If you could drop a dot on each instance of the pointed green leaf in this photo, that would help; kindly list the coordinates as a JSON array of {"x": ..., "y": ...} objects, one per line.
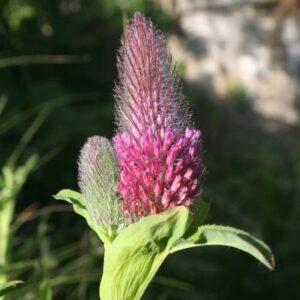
[
  {"x": 217, "y": 235},
  {"x": 78, "y": 203},
  {"x": 9, "y": 286},
  {"x": 135, "y": 255},
  {"x": 72, "y": 197}
]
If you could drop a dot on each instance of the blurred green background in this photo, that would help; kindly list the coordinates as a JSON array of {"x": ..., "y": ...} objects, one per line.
[{"x": 57, "y": 70}]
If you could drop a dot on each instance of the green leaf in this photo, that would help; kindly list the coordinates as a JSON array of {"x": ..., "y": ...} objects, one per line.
[
  {"x": 217, "y": 235},
  {"x": 45, "y": 292},
  {"x": 9, "y": 286},
  {"x": 138, "y": 251},
  {"x": 78, "y": 203}
]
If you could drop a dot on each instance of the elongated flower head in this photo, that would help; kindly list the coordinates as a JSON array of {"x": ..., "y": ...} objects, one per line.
[
  {"x": 98, "y": 178},
  {"x": 157, "y": 150},
  {"x": 149, "y": 96}
]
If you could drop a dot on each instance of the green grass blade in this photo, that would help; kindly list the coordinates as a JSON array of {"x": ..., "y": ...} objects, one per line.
[
  {"x": 3, "y": 101},
  {"x": 9, "y": 286},
  {"x": 42, "y": 59},
  {"x": 27, "y": 137}
]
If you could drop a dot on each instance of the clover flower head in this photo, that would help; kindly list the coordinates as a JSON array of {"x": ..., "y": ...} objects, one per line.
[{"x": 157, "y": 149}]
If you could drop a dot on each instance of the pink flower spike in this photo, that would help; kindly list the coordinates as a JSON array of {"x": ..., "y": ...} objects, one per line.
[{"x": 157, "y": 149}]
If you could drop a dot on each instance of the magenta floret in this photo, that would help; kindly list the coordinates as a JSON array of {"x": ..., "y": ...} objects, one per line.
[{"x": 157, "y": 148}]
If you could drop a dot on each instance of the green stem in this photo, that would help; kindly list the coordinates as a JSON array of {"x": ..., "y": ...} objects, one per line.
[{"x": 6, "y": 216}]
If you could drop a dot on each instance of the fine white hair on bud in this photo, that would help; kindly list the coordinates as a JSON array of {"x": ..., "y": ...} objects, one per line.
[{"x": 98, "y": 179}]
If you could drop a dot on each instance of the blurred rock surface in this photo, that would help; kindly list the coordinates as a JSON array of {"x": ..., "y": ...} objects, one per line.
[{"x": 253, "y": 44}]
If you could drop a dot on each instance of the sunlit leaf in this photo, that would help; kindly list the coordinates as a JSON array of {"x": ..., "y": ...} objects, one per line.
[
  {"x": 217, "y": 235},
  {"x": 136, "y": 254}
]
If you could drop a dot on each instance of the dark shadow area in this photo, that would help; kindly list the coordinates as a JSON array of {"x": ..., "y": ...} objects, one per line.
[{"x": 253, "y": 182}]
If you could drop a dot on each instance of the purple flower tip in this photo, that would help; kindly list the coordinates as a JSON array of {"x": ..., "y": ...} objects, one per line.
[{"x": 157, "y": 150}]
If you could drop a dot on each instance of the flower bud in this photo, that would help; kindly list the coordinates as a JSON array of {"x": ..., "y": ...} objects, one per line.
[{"x": 98, "y": 178}]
